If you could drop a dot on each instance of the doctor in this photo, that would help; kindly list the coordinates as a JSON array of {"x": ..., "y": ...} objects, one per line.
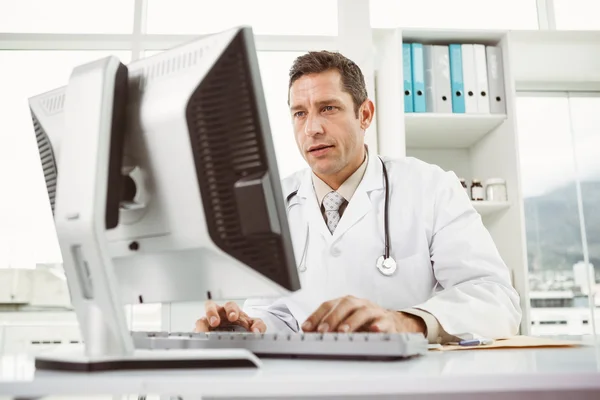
[{"x": 382, "y": 245}]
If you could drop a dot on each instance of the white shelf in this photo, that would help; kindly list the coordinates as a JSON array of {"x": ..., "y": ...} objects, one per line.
[
  {"x": 427, "y": 130},
  {"x": 490, "y": 207},
  {"x": 471, "y": 145}
]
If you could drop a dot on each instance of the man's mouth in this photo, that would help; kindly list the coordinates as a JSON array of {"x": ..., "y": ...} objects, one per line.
[{"x": 318, "y": 147}]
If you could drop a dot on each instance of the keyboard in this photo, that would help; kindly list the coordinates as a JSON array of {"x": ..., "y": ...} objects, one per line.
[{"x": 367, "y": 346}]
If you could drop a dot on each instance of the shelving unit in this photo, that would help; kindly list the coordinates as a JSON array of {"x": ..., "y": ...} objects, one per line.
[
  {"x": 478, "y": 146},
  {"x": 486, "y": 208},
  {"x": 425, "y": 130}
]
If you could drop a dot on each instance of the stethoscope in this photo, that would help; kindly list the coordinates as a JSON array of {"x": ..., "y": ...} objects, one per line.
[{"x": 385, "y": 263}]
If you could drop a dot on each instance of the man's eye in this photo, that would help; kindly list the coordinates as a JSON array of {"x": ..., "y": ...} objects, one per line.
[
  {"x": 328, "y": 108},
  {"x": 299, "y": 114}
]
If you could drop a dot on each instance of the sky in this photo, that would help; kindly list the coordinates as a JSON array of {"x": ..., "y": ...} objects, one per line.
[{"x": 550, "y": 156}]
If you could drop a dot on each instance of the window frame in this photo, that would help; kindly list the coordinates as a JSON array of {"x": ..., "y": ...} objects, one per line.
[
  {"x": 541, "y": 20},
  {"x": 138, "y": 41},
  {"x": 567, "y": 94}
]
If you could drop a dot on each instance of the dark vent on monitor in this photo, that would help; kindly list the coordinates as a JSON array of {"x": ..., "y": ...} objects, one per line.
[
  {"x": 227, "y": 143},
  {"x": 173, "y": 64},
  {"x": 53, "y": 104},
  {"x": 169, "y": 66},
  {"x": 47, "y": 159}
]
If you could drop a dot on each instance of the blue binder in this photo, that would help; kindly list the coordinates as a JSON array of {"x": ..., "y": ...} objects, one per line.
[
  {"x": 407, "y": 73},
  {"x": 456, "y": 79},
  {"x": 418, "y": 78}
]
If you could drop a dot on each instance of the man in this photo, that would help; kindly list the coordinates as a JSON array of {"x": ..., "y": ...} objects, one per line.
[{"x": 449, "y": 280}]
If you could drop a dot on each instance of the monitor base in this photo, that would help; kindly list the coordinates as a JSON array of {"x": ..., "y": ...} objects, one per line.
[{"x": 75, "y": 360}]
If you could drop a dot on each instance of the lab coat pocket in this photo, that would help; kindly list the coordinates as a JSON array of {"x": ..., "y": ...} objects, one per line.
[{"x": 405, "y": 287}]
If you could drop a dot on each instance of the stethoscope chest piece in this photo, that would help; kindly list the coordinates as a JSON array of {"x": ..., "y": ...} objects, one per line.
[
  {"x": 302, "y": 267},
  {"x": 387, "y": 266}
]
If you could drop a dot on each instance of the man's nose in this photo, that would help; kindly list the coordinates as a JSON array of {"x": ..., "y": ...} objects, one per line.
[{"x": 313, "y": 126}]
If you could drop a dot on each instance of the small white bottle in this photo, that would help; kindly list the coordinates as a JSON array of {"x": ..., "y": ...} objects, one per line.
[
  {"x": 463, "y": 182},
  {"x": 495, "y": 189},
  {"x": 477, "y": 192}
]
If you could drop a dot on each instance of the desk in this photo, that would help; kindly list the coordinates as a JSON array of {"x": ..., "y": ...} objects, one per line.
[{"x": 549, "y": 373}]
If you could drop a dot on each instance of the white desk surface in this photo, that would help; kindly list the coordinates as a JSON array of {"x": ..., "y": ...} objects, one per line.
[{"x": 572, "y": 373}]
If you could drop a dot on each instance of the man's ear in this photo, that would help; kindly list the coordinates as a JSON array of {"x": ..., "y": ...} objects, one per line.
[{"x": 366, "y": 112}]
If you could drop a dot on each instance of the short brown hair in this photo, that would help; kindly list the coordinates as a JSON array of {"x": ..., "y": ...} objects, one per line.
[{"x": 314, "y": 62}]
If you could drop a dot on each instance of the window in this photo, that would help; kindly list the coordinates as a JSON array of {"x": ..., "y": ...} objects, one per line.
[
  {"x": 463, "y": 14},
  {"x": 28, "y": 73},
  {"x": 66, "y": 16},
  {"x": 267, "y": 17},
  {"x": 577, "y": 14},
  {"x": 274, "y": 67},
  {"x": 26, "y": 211},
  {"x": 586, "y": 132},
  {"x": 554, "y": 162}
]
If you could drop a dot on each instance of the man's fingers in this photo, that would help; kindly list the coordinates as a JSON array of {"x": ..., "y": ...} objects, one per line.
[
  {"x": 383, "y": 324},
  {"x": 355, "y": 321},
  {"x": 331, "y": 321},
  {"x": 222, "y": 317},
  {"x": 212, "y": 313},
  {"x": 313, "y": 321},
  {"x": 258, "y": 326},
  {"x": 202, "y": 325},
  {"x": 242, "y": 320},
  {"x": 232, "y": 311}
]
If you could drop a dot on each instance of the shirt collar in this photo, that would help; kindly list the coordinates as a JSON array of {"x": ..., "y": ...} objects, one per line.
[{"x": 347, "y": 189}]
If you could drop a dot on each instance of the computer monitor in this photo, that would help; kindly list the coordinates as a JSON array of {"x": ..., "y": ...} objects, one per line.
[{"x": 163, "y": 182}]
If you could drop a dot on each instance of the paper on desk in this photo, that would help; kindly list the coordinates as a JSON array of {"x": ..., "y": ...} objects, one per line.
[{"x": 514, "y": 342}]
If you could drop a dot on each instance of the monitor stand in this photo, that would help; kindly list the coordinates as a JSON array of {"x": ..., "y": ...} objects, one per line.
[
  {"x": 90, "y": 104},
  {"x": 74, "y": 359},
  {"x": 102, "y": 351}
]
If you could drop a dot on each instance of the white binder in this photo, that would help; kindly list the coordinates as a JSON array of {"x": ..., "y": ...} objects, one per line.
[
  {"x": 483, "y": 98},
  {"x": 441, "y": 71},
  {"x": 430, "y": 95},
  {"x": 496, "y": 79},
  {"x": 437, "y": 78},
  {"x": 469, "y": 78}
]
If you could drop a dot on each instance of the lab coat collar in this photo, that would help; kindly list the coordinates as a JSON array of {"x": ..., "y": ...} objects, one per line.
[
  {"x": 306, "y": 195},
  {"x": 357, "y": 208},
  {"x": 372, "y": 180},
  {"x": 306, "y": 187},
  {"x": 360, "y": 204}
]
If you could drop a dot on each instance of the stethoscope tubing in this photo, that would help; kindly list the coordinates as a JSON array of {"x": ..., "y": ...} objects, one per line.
[
  {"x": 386, "y": 228},
  {"x": 385, "y": 212}
]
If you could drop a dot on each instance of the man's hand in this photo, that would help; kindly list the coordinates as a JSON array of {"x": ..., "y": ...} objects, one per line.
[
  {"x": 350, "y": 314},
  {"x": 227, "y": 316}
]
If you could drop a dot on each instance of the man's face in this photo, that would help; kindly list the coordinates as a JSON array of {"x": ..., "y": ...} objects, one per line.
[{"x": 328, "y": 133}]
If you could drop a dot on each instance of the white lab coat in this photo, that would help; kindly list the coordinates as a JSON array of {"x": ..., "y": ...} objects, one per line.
[{"x": 447, "y": 262}]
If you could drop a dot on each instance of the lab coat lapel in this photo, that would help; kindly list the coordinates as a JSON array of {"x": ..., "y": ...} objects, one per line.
[
  {"x": 312, "y": 211},
  {"x": 360, "y": 204}
]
